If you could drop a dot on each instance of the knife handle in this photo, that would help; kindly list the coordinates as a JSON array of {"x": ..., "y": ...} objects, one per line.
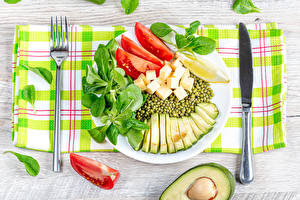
[{"x": 247, "y": 168}]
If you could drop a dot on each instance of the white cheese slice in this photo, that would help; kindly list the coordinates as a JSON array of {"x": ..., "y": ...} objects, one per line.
[
  {"x": 187, "y": 83},
  {"x": 152, "y": 87},
  {"x": 172, "y": 82},
  {"x": 150, "y": 75},
  {"x": 163, "y": 92},
  {"x": 165, "y": 72},
  {"x": 140, "y": 83},
  {"x": 180, "y": 93}
]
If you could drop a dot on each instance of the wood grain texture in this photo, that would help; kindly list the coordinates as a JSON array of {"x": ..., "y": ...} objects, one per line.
[{"x": 277, "y": 173}]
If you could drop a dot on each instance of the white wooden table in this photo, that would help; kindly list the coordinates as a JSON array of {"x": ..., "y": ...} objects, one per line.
[{"x": 277, "y": 173}]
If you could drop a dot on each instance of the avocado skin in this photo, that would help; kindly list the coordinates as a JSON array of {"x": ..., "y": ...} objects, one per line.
[{"x": 228, "y": 174}]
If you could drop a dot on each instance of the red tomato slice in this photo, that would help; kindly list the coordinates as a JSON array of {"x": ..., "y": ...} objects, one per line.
[
  {"x": 131, "y": 47},
  {"x": 95, "y": 172},
  {"x": 151, "y": 43},
  {"x": 134, "y": 65}
]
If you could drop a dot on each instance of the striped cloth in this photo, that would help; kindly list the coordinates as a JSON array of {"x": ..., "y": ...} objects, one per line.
[{"x": 33, "y": 128}]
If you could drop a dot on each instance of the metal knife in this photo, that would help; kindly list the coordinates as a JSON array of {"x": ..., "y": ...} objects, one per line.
[{"x": 246, "y": 84}]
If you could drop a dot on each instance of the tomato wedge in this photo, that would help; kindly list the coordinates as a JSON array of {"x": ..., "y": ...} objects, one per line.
[
  {"x": 95, "y": 172},
  {"x": 131, "y": 47},
  {"x": 133, "y": 65},
  {"x": 152, "y": 43}
]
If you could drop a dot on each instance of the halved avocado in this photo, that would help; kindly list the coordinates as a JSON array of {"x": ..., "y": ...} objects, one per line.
[
  {"x": 162, "y": 131},
  {"x": 205, "y": 116},
  {"x": 209, "y": 181},
  {"x": 147, "y": 139},
  {"x": 171, "y": 147},
  {"x": 210, "y": 108},
  {"x": 184, "y": 134},
  {"x": 154, "y": 147}
]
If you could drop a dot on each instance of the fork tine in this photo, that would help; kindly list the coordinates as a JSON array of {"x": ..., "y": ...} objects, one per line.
[
  {"x": 57, "y": 35},
  {"x": 61, "y": 33},
  {"x": 66, "y": 33},
  {"x": 51, "y": 35}
]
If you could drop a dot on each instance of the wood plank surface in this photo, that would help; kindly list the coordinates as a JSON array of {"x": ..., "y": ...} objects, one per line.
[{"x": 277, "y": 172}]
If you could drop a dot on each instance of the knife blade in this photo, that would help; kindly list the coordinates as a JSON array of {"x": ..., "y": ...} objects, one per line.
[{"x": 246, "y": 85}]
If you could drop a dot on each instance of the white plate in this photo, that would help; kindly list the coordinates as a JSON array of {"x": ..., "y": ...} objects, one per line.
[{"x": 222, "y": 98}]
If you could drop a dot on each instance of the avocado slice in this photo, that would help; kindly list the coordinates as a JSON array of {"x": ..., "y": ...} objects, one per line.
[
  {"x": 176, "y": 138},
  {"x": 183, "y": 133},
  {"x": 196, "y": 130},
  {"x": 135, "y": 138},
  {"x": 217, "y": 180},
  {"x": 189, "y": 130},
  {"x": 210, "y": 109},
  {"x": 205, "y": 116},
  {"x": 147, "y": 138},
  {"x": 201, "y": 123},
  {"x": 171, "y": 147},
  {"x": 162, "y": 129},
  {"x": 154, "y": 147}
]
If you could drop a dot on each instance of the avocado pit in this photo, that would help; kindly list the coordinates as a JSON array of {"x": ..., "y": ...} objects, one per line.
[{"x": 202, "y": 188}]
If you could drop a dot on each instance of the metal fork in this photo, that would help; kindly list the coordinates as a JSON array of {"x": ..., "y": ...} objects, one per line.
[{"x": 59, "y": 51}]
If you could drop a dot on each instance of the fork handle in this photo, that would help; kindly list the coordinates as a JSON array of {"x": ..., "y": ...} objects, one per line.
[{"x": 57, "y": 137}]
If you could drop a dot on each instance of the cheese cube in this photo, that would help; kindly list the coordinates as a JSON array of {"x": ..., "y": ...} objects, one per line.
[
  {"x": 152, "y": 87},
  {"x": 150, "y": 75},
  {"x": 143, "y": 77},
  {"x": 140, "y": 83},
  {"x": 172, "y": 82},
  {"x": 161, "y": 82},
  {"x": 163, "y": 92},
  {"x": 187, "y": 83},
  {"x": 180, "y": 93},
  {"x": 176, "y": 63},
  {"x": 165, "y": 72},
  {"x": 179, "y": 71},
  {"x": 186, "y": 73}
]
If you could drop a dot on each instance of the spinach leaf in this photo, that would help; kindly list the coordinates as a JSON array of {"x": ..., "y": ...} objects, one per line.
[
  {"x": 31, "y": 165},
  {"x": 97, "y": 1},
  {"x": 42, "y": 72},
  {"x": 110, "y": 98},
  {"x": 130, "y": 97},
  {"x": 93, "y": 77},
  {"x": 135, "y": 138},
  {"x": 244, "y": 7},
  {"x": 112, "y": 134},
  {"x": 102, "y": 58},
  {"x": 12, "y": 1},
  {"x": 134, "y": 123},
  {"x": 98, "y": 106},
  {"x": 98, "y": 133},
  {"x": 203, "y": 45},
  {"x": 112, "y": 46},
  {"x": 129, "y": 6},
  {"x": 28, "y": 94},
  {"x": 88, "y": 99},
  {"x": 160, "y": 29},
  {"x": 181, "y": 41},
  {"x": 192, "y": 29},
  {"x": 118, "y": 78},
  {"x": 91, "y": 88}
]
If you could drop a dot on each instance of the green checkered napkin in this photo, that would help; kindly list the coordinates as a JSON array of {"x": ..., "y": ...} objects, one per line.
[{"x": 33, "y": 127}]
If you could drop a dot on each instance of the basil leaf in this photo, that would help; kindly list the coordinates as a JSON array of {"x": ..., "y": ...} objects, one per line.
[
  {"x": 98, "y": 106},
  {"x": 97, "y": 1},
  {"x": 160, "y": 29},
  {"x": 244, "y": 7},
  {"x": 102, "y": 58},
  {"x": 88, "y": 99},
  {"x": 42, "y": 72},
  {"x": 181, "y": 41},
  {"x": 203, "y": 45},
  {"x": 112, "y": 134},
  {"x": 98, "y": 133},
  {"x": 134, "y": 123},
  {"x": 12, "y": 1},
  {"x": 192, "y": 29},
  {"x": 31, "y": 165},
  {"x": 118, "y": 78},
  {"x": 129, "y": 6},
  {"x": 28, "y": 94}
]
